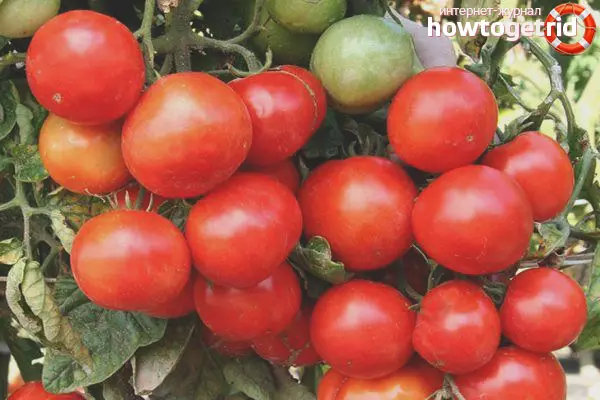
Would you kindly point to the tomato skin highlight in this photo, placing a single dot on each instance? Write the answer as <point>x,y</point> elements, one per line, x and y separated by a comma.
<point>246,314</point>
<point>285,173</point>
<point>315,85</point>
<point>73,47</point>
<point>130,260</point>
<point>452,134</point>
<point>458,327</point>
<point>35,391</point>
<point>544,310</point>
<point>512,373</point>
<point>474,220</point>
<point>415,381</point>
<point>537,163</point>
<point>180,306</point>
<point>226,347</point>
<point>189,133</point>
<point>283,112</point>
<point>363,329</point>
<point>243,230</point>
<point>83,159</point>
<point>362,206</point>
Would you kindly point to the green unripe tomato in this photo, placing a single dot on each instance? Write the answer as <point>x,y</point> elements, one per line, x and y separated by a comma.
<point>21,18</point>
<point>362,61</point>
<point>307,16</point>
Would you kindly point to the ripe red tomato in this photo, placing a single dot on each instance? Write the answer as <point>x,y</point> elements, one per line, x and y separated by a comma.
<point>292,347</point>
<point>85,67</point>
<point>362,206</point>
<point>181,305</point>
<point>130,260</point>
<point>35,391</point>
<point>83,159</point>
<point>458,327</point>
<point>514,373</point>
<point>189,133</point>
<point>363,329</point>
<point>454,132</point>
<point>315,86</point>
<point>243,230</point>
<point>226,347</point>
<point>415,381</point>
<point>544,310</point>
<point>474,220</point>
<point>537,163</point>
<point>285,172</point>
<point>246,314</point>
<point>283,112</point>
<point>132,191</point>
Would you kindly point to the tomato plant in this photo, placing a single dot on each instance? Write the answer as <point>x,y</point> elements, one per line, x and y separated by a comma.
<point>35,391</point>
<point>21,18</point>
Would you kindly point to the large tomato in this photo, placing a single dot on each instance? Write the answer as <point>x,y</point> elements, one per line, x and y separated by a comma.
<point>179,306</point>
<point>189,133</point>
<point>544,310</point>
<point>243,230</point>
<point>458,327</point>
<point>86,67</point>
<point>454,132</point>
<point>21,18</point>
<point>363,329</point>
<point>283,111</point>
<point>474,220</point>
<point>307,16</point>
<point>246,314</point>
<point>35,391</point>
<point>83,159</point>
<point>415,381</point>
<point>284,172</point>
<point>362,206</point>
<point>362,61</point>
<point>314,85</point>
<point>292,347</point>
<point>130,260</point>
<point>537,163</point>
<point>515,373</point>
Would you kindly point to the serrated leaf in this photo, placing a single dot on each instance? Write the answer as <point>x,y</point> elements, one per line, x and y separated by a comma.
<point>28,165</point>
<point>8,106</point>
<point>288,388</point>
<point>590,337</point>
<point>11,251</point>
<point>251,376</point>
<point>316,258</point>
<point>112,338</point>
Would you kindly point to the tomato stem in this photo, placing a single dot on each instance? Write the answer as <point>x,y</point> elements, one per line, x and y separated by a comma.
<point>12,59</point>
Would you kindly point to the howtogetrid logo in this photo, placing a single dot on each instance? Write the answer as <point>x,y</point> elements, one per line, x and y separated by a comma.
<point>584,18</point>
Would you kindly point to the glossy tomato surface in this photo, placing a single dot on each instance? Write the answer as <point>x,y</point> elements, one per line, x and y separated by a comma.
<point>362,206</point>
<point>474,220</point>
<point>85,67</point>
<point>541,167</point>
<point>130,260</point>
<point>83,159</point>
<point>315,86</point>
<point>246,314</point>
<point>441,119</point>
<point>544,310</point>
<point>285,172</point>
<point>515,373</point>
<point>149,201</point>
<point>307,16</point>
<point>415,381</point>
<point>35,391</point>
<point>179,306</point>
<point>243,230</point>
<point>458,327</point>
<point>189,133</point>
<point>226,347</point>
<point>283,111</point>
<point>292,347</point>
<point>363,329</point>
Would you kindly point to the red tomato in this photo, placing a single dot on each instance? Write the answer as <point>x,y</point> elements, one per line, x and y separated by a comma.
<point>541,167</point>
<point>130,260</point>
<point>474,220</point>
<point>132,191</point>
<point>246,314</point>
<point>362,206</point>
<point>515,373</point>
<point>292,347</point>
<point>83,159</point>
<point>315,86</point>
<point>243,230</point>
<point>415,381</point>
<point>283,111</point>
<point>363,329</point>
<point>285,172</point>
<point>226,347</point>
<point>189,133</point>
<point>441,119</point>
<point>86,67</point>
<point>544,310</point>
<point>181,305</point>
<point>35,391</point>
<point>458,327</point>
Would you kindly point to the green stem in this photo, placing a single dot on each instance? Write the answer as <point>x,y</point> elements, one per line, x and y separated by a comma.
<point>587,160</point>
<point>254,26</point>
<point>145,33</point>
<point>9,205</point>
<point>140,198</point>
<point>12,59</point>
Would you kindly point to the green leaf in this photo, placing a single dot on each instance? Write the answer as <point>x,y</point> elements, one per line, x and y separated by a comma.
<point>117,387</point>
<point>152,364</point>
<point>316,258</point>
<point>288,388</point>
<point>28,165</point>
<point>112,338</point>
<point>327,142</point>
<point>8,106</point>
<point>77,208</point>
<point>62,230</point>
<point>24,351</point>
<point>251,376</point>
<point>11,251</point>
<point>552,238</point>
<point>590,337</point>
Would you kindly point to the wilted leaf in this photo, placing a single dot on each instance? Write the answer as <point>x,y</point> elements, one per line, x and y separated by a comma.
<point>8,106</point>
<point>590,337</point>
<point>62,230</point>
<point>77,208</point>
<point>11,251</point>
<point>28,165</point>
<point>316,258</point>
<point>251,376</point>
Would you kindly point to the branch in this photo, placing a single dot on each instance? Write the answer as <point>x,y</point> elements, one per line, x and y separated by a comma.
<point>254,26</point>
<point>145,33</point>
<point>12,59</point>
